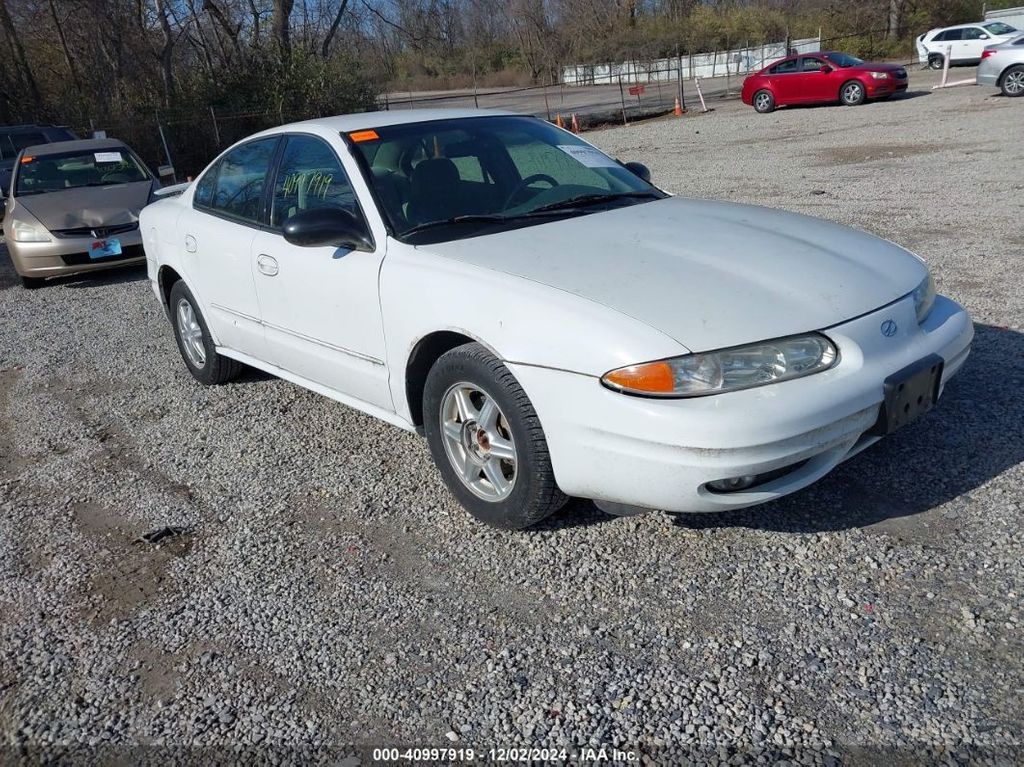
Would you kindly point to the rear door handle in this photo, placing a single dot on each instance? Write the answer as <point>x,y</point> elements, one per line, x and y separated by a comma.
<point>190,243</point>
<point>267,265</point>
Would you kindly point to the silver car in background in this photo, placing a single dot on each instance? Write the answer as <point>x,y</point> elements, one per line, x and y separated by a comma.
<point>1002,65</point>
<point>73,207</point>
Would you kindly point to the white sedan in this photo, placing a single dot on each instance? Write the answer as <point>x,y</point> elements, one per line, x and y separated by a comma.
<point>553,323</point>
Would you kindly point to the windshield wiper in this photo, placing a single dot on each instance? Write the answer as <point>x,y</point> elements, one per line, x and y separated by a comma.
<point>475,218</point>
<point>595,199</point>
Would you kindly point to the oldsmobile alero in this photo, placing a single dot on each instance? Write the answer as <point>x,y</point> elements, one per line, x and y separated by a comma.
<point>553,323</point>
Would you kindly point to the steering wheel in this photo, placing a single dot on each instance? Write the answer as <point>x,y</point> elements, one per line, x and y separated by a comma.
<point>522,185</point>
<point>114,177</point>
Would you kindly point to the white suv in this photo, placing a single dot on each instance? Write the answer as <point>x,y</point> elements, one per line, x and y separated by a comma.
<point>964,43</point>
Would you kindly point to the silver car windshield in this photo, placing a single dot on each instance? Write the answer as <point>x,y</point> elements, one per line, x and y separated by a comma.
<point>71,170</point>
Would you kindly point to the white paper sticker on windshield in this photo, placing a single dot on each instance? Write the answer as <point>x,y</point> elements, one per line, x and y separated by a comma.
<point>587,155</point>
<point>107,156</point>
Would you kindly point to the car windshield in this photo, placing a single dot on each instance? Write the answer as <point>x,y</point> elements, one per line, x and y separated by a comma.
<point>999,28</point>
<point>71,170</point>
<point>843,60</point>
<point>449,179</point>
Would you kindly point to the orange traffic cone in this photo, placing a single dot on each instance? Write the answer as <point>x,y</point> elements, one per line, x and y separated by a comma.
<point>678,111</point>
<point>559,122</point>
<point>575,124</point>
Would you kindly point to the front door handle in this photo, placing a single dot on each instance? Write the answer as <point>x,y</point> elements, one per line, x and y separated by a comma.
<point>267,265</point>
<point>190,243</point>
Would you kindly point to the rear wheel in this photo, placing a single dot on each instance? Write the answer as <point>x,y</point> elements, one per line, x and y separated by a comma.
<point>1013,81</point>
<point>935,61</point>
<point>32,283</point>
<point>852,93</point>
<point>764,102</point>
<point>194,341</point>
<point>487,441</point>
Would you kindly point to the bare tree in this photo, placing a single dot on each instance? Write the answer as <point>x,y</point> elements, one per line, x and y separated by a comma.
<point>282,24</point>
<point>14,40</point>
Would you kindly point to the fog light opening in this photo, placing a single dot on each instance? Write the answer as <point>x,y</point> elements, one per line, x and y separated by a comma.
<point>732,484</point>
<point>747,481</point>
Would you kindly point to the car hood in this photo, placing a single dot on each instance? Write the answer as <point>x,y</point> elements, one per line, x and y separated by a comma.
<point>90,206</point>
<point>875,66</point>
<point>707,274</point>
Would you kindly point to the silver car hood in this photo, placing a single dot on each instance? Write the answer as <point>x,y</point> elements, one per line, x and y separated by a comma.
<point>707,274</point>
<point>89,206</point>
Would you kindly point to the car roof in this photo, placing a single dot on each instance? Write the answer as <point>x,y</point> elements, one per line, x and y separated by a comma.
<point>367,120</point>
<point>88,144</point>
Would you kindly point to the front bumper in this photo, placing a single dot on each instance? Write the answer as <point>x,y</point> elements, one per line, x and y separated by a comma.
<point>660,454</point>
<point>876,88</point>
<point>70,255</point>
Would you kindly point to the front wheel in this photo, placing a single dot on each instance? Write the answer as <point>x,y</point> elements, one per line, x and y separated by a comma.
<point>487,441</point>
<point>32,283</point>
<point>194,341</point>
<point>764,102</point>
<point>852,93</point>
<point>1013,82</point>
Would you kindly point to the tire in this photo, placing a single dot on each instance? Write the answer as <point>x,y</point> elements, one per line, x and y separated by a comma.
<point>32,283</point>
<point>467,384</point>
<point>852,93</point>
<point>194,342</point>
<point>935,61</point>
<point>1012,81</point>
<point>764,102</point>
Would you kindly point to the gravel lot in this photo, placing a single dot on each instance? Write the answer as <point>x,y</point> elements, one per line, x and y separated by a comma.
<point>328,591</point>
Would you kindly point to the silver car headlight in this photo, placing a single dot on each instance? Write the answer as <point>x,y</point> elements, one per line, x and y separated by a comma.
<point>741,367</point>
<point>25,231</point>
<point>924,298</point>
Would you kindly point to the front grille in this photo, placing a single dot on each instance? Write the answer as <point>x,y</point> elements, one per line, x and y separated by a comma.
<point>81,259</point>
<point>99,232</point>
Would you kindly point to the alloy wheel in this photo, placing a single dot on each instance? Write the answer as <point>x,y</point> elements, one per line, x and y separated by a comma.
<point>851,93</point>
<point>191,333</point>
<point>1014,83</point>
<point>478,441</point>
<point>763,101</point>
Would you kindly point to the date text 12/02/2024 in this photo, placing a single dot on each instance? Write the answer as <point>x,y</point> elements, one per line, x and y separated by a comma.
<point>513,754</point>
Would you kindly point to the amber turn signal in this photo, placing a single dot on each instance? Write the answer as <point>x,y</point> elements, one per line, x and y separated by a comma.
<point>652,377</point>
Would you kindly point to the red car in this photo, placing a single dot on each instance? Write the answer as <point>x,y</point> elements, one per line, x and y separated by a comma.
<point>821,78</point>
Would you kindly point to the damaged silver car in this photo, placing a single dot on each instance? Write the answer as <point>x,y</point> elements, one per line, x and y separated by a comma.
<point>74,207</point>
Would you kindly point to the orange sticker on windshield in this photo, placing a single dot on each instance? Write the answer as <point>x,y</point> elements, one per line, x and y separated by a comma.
<point>363,135</point>
<point>27,159</point>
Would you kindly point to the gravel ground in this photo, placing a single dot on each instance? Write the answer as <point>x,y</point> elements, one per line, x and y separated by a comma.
<point>328,591</point>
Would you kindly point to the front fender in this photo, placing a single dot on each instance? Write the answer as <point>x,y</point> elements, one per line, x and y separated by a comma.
<point>518,320</point>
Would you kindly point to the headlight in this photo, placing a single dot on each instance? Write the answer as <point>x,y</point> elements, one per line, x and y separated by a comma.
<point>741,367</point>
<point>26,232</point>
<point>880,75</point>
<point>924,298</point>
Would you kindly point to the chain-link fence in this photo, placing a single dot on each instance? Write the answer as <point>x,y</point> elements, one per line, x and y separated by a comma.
<point>599,94</point>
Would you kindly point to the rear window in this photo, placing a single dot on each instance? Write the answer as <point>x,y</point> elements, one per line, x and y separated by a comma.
<point>999,28</point>
<point>22,140</point>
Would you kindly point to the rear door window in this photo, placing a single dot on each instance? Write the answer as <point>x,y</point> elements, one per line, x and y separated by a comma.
<point>784,67</point>
<point>242,179</point>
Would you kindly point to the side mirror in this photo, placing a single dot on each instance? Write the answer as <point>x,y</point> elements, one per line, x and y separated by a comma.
<point>639,169</point>
<point>826,69</point>
<point>334,227</point>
